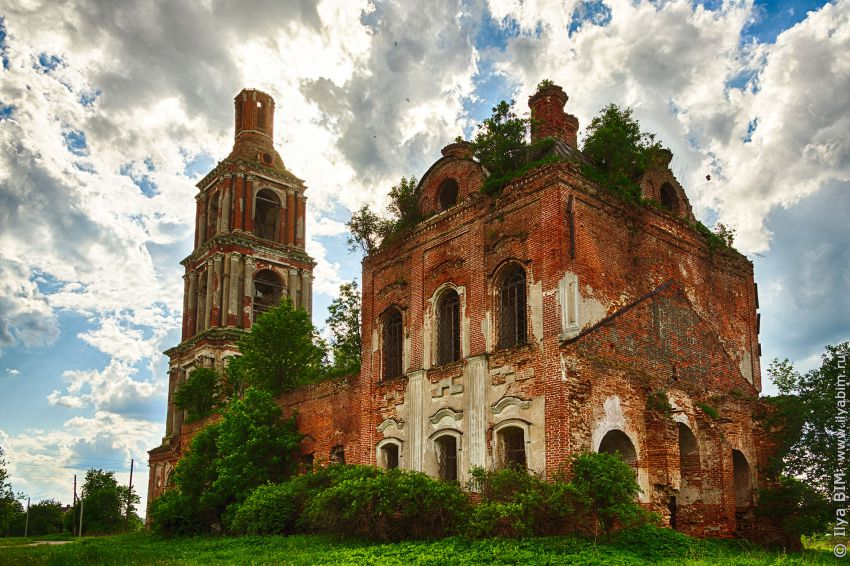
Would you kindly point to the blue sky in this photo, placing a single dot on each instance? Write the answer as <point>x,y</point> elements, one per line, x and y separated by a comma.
<point>110,115</point>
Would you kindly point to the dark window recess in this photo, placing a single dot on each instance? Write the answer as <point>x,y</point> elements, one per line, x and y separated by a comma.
<point>513,447</point>
<point>668,197</point>
<point>261,116</point>
<point>212,215</point>
<point>447,458</point>
<point>268,291</point>
<point>448,194</point>
<point>267,215</point>
<point>392,344</point>
<point>307,460</point>
<point>337,455</point>
<point>512,316</point>
<point>390,456</point>
<point>267,158</point>
<point>448,327</point>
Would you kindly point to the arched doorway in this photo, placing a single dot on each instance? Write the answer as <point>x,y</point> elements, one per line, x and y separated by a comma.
<point>683,514</point>
<point>618,443</point>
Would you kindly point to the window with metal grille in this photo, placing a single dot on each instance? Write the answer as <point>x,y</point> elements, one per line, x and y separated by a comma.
<point>512,318</point>
<point>267,215</point>
<point>513,447</point>
<point>268,291</point>
<point>392,343</point>
<point>448,327</point>
<point>447,457</point>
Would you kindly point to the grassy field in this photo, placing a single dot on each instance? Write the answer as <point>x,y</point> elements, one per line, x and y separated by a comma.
<point>142,548</point>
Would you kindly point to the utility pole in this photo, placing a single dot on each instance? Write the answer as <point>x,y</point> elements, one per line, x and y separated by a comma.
<point>27,522</point>
<point>130,493</point>
<point>74,507</point>
<point>82,504</point>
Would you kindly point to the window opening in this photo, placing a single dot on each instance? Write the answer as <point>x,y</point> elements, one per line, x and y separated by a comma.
<point>392,344</point>
<point>513,447</point>
<point>448,194</point>
<point>448,327</point>
<point>447,457</point>
<point>267,215</point>
<point>268,291</point>
<point>512,316</point>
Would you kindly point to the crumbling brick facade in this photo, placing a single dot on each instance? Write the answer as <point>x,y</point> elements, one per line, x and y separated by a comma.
<point>550,319</point>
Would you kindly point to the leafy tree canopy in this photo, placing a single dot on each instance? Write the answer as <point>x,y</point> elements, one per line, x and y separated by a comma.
<point>344,324</point>
<point>809,433</point>
<point>618,150</point>
<point>252,445</point>
<point>105,502</point>
<point>368,230</point>
<point>45,518</point>
<point>282,351</point>
<point>200,394</point>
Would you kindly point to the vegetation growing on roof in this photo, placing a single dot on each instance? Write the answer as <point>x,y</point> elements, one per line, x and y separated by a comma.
<point>619,152</point>
<point>369,231</point>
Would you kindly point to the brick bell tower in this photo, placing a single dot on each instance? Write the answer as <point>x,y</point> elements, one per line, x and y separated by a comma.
<point>249,253</point>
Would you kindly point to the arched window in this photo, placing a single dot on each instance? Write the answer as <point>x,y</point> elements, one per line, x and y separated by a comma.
<point>448,327</point>
<point>742,479</point>
<point>512,317</point>
<point>389,455</point>
<point>618,443</point>
<point>337,455</point>
<point>447,194</point>
<point>668,197</point>
<point>511,441</point>
<point>212,215</point>
<point>268,291</point>
<point>267,215</point>
<point>447,457</point>
<point>200,314</point>
<point>392,343</point>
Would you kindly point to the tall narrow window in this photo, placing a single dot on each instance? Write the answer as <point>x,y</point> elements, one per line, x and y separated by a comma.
<point>392,343</point>
<point>212,215</point>
<point>447,194</point>
<point>268,291</point>
<point>337,455</point>
<point>267,215</point>
<point>668,197</point>
<point>390,456</point>
<point>448,327</point>
<point>261,116</point>
<point>512,440</point>
<point>447,457</point>
<point>512,318</point>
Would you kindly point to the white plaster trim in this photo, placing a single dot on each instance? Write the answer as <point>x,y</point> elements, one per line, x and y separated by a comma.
<point>398,424</point>
<point>509,401</point>
<point>445,412</point>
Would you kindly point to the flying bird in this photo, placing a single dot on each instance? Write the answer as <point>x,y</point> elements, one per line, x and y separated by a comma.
<point>708,177</point>
<point>407,99</point>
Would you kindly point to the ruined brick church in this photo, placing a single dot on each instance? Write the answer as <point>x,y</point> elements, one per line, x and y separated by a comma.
<point>518,328</point>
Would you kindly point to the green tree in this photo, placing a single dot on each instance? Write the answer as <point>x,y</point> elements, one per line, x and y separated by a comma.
<point>282,351</point>
<point>10,507</point>
<point>800,508</point>
<point>104,503</point>
<point>200,394</point>
<point>368,231</point>
<point>45,518</point>
<point>605,489</point>
<point>344,323</point>
<point>252,445</point>
<point>805,413</point>
<point>500,144</point>
<point>618,150</point>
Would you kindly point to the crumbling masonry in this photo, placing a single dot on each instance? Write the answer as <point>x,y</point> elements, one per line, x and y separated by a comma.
<point>525,327</point>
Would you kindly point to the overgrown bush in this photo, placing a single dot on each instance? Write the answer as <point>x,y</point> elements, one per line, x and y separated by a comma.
<point>605,489</point>
<point>798,508</point>
<point>392,505</point>
<point>173,513</point>
<point>278,508</point>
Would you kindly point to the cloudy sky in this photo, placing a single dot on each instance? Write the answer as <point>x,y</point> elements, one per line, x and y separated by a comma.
<point>111,111</point>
